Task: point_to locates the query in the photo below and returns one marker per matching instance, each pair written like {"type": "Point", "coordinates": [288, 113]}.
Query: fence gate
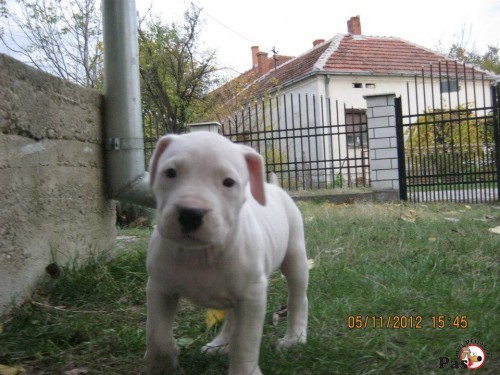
{"type": "Point", "coordinates": [448, 128]}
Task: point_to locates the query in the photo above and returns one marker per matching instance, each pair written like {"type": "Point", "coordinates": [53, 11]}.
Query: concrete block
{"type": "Point", "coordinates": [378, 100]}
{"type": "Point", "coordinates": [381, 185]}
{"type": "Point", "coordinates": [388, 174]}
{"type": "Point", "coordinates": [387, 111]}
{"type": "Point", "coordinates": [385, 132]}
{"type": "Point", "coordinates": [381, 164]}
{"type": "Point", "coordinates": [52, 187]}
{"type": "Point", "coordinates": [387, 153]}
{"type": "Point", "coordinates": [378, 122]}
{"type": "Point", "coordinates": [380, 143]}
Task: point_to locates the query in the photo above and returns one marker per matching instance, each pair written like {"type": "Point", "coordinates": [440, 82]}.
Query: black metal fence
{"type": "Point", "coordinates": [309, 143]}
{"type": "Point", "coordinates": [304, 141]}
{"type": "Point", "coordinates": [153, 128]}
{"type": "Point", "coordinates": [449, 136]}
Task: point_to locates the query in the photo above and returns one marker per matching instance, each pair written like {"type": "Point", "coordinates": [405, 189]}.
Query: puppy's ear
{"type": "Point", "coordinates": [161, 146]}
{"type": "Point", "coordinates": [255, 165]}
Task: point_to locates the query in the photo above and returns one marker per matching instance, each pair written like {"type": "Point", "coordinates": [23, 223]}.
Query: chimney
{"type": "Point", "coordinates": [354, 26]}
{"type": "Point", "coordinates": [255, 60]}
{"type": "Point", "coordinates": [263, 64]}
{"type": "Point", "coordinates": [317, 42]}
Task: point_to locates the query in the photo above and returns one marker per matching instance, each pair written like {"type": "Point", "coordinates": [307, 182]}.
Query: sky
{"type": "Point", "coordinates": [290, 26]}
{"type": "Point", "coordinates": [232, 27]}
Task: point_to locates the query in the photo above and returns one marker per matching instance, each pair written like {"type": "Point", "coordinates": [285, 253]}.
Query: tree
{"type": "Point", "coordinates": [176, 75]}
{"type": "Point", "coordinates": [61, 37]}
{"type": "Point", "coordinates": [458, 129]}
{"type": "Point", "coordinates": [489, 61]}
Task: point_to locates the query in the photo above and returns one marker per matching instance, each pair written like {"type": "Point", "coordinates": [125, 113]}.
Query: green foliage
{"type": "Point", "coordinates": [444, 129]}
{"type": "Point", "coordinates": [489, 61]}
{"type": "Point", "coordinates": [176, 75]}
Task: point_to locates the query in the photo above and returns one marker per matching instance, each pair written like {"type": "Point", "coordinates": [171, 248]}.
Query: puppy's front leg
{"type": "Point", "coordinates": [162, 353]}
{"type": "Point", "coordinates": [245, 342]}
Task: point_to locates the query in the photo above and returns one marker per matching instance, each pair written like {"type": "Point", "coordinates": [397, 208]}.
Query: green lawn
{"type": "Point", "coordinates": [384, 275]}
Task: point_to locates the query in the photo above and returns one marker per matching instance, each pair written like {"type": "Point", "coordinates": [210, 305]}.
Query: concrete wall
{"type": "Point", "coordinates": [52, 195]}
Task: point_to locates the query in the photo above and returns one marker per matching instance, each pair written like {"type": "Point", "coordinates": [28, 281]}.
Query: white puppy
{"type": "Point", "coordinates": [221, 231]}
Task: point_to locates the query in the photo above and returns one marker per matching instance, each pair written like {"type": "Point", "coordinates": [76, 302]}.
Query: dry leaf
{"type": "Point", "coordinates": [7, 370]}
{"type": "Point", "coordinates": [409, 216]}
{"type": "Point", "coordinates": [214, 317]}
{"type": "Point", "coordinates": [495, 230]}
{"type": "Point", "coordinates": [432, 239]}
{"type": "Point", "coordinates": [452, 219]}
{"type": "Point", "coordinates": [309, 219]}
{"type": "Point", "coordinates": [310, 263]}
{"type": "Point", "coordinates": [281, 313]}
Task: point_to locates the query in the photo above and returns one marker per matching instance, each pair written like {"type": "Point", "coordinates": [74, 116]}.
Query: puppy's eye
{"type": "Point", "coordinates": [228, 182]}
{"type": "Point", "coordinates": [171, 173]}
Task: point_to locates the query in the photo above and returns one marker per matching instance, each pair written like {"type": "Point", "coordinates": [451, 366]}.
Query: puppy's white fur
{"type": "Point", "coordinates": [247, 230]}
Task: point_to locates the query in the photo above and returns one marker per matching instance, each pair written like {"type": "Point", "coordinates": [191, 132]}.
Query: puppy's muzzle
{"type": "Point", "coordinates": [190, 218]}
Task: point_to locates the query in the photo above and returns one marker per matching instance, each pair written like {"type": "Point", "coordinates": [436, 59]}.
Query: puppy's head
{"type": "Point", "coordinates": [200, 183]}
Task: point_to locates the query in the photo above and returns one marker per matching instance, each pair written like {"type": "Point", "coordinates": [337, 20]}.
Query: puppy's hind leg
{"type": "Point", "coordinates": [220, 344]}
{"type": "Point", "coordinates": [296, 271]}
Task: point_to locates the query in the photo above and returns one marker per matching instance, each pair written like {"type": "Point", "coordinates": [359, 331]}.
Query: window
{"type": "Point", "coordinates": [370, 85]}
{"type": "Point", "coordinates": [357, 85]}
{"type": "Point", "coordinates": [355, 120]}
{"type": "Point", "coordinates": [449, 85]}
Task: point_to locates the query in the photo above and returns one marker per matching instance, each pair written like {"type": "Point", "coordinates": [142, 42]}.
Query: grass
{"type": "Point", "coordinates": [370, 260]}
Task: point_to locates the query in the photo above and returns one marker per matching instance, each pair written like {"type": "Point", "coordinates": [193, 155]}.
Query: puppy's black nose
{"type": "Point", "coordinates": [191, 218]}
{"type": "Point", "coordinates": [479, 358]}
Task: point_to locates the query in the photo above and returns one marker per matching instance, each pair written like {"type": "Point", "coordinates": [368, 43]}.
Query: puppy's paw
{"type": "Point", "coordinates": [288, 342]}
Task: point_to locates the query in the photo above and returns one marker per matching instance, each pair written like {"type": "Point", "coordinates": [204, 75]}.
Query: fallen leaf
{"type": "Point", "coordinates": [280, 314]}
{"type": "Point", "coordinates": [452, 219]}
{"type": "Point", "coordinates": [410, 216]}
{"type": "Point", "coordinates": [309, 219]}
{"type": "Point", "coordinates": [15, 370]}
{"type": "Point", "coordinates": [310, 263]}
{"type": "Point", "coordinates": [495, 230]}
{"type": "Point", "coordinates": [468, 207]}
{"type": "Point", "coordinates": [214, 317]}
{"type": "Point", "coordinates": [432, 239]}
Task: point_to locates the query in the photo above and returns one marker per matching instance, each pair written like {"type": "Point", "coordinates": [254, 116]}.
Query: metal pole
{"type": "Point", "coordinates": [126, 177]}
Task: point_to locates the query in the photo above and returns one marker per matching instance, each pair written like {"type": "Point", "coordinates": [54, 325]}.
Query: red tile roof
{"type": "Point", "coordinates": [378, 55]}
{"type": "Point", "coordinates": [348, 54]}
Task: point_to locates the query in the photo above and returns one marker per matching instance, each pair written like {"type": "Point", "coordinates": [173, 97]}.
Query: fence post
{"type": "Point", "coordinates": [382, 143]}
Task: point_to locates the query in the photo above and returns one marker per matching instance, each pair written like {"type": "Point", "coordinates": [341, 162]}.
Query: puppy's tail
{"type": "Point", "coordinates": [273, 179]}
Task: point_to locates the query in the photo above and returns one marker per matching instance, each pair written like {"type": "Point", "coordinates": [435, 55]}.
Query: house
{"type": "Point", "coordinates": [326, 86]}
